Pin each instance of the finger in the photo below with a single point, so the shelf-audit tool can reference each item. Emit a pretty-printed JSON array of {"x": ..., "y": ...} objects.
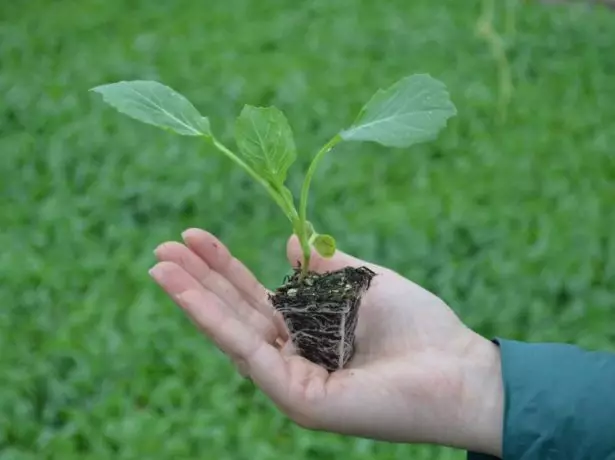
[
  {"x": 219, "y": 258},
  {"x": 288, "y": 349},
  {"x": 321, "y": 264},
  {"x": 220, "y": 286},
  {"x": 242, "y": 368},
  {"x": 261, "y": 361}
]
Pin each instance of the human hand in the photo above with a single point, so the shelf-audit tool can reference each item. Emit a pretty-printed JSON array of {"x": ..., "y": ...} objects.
[{"x": 418, "y": 374}]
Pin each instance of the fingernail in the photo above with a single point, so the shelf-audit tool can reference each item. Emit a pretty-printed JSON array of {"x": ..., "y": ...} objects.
[
  {"x": 159, "y": 249},
  {"x": 186, "y": 232},
  {"x": 155, "y": 272}
]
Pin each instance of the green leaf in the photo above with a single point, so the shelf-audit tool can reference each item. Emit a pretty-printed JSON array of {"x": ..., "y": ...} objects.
[
  {"x": 325, "y": 245},
  {"x": 411, "y": 111},
  {"x": 156, "y": 104},
  {"x": 266, "y": 141}
]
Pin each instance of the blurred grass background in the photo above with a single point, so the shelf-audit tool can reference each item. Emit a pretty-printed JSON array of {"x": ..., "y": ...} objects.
[{"x": 508, "y": 215}]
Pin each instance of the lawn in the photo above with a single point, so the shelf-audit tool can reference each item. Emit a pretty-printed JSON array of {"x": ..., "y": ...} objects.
[{"x": 508, "y": 216}]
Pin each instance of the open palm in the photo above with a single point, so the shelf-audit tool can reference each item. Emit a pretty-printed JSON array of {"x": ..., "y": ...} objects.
[{"x": 405, "y": 377}]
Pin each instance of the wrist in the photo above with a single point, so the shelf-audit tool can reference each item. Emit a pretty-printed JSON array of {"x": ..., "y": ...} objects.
[
  {"x": 481, "y": 398},
  {"x": 463, "y": 405}
]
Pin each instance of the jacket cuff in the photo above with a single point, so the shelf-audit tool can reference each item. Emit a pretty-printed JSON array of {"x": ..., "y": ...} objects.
[{"x": 559, "y": 400}]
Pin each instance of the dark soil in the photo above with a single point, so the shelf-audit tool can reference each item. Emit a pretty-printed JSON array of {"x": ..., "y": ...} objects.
[{"x": 321, "y": 313}]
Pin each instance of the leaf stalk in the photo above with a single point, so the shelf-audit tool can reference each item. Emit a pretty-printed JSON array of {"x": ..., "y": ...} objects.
[
  {"x": 278, "y": 197},
  {"x": 303, "y": 203}
]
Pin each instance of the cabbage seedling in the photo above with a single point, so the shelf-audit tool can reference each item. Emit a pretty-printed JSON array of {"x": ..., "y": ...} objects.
[{"x": 320, "y": 310}]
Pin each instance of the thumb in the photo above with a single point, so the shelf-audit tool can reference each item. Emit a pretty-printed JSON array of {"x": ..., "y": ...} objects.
[{"x": 322, "y": 264}]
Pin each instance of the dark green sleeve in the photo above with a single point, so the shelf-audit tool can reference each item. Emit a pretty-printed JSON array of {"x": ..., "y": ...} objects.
[{"x": 559, "y": 403}]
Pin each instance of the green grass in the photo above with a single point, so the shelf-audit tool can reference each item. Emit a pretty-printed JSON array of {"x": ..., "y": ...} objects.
[{"x": 510, "y": 221}]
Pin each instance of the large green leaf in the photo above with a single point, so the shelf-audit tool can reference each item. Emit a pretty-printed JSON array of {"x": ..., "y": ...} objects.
[
  {"x": 266, "y": 142},
  {"x": 156, "y": 104},
  {"x": 411, "y": 111}
]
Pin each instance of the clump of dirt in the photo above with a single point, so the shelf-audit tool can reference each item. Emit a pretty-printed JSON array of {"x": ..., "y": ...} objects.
[{"x": 321, "y": 313}]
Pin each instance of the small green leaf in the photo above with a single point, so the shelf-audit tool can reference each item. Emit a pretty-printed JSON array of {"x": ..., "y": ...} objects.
[
  {"x": 156, "y": 104},
  {"x": 411, "y": 111},
  {"x": 266, "y": 141},
  {"x": 325, "y": 245}
]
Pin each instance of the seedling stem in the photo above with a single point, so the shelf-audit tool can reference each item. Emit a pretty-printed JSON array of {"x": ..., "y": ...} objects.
[{"x": 411, "y": 111}]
